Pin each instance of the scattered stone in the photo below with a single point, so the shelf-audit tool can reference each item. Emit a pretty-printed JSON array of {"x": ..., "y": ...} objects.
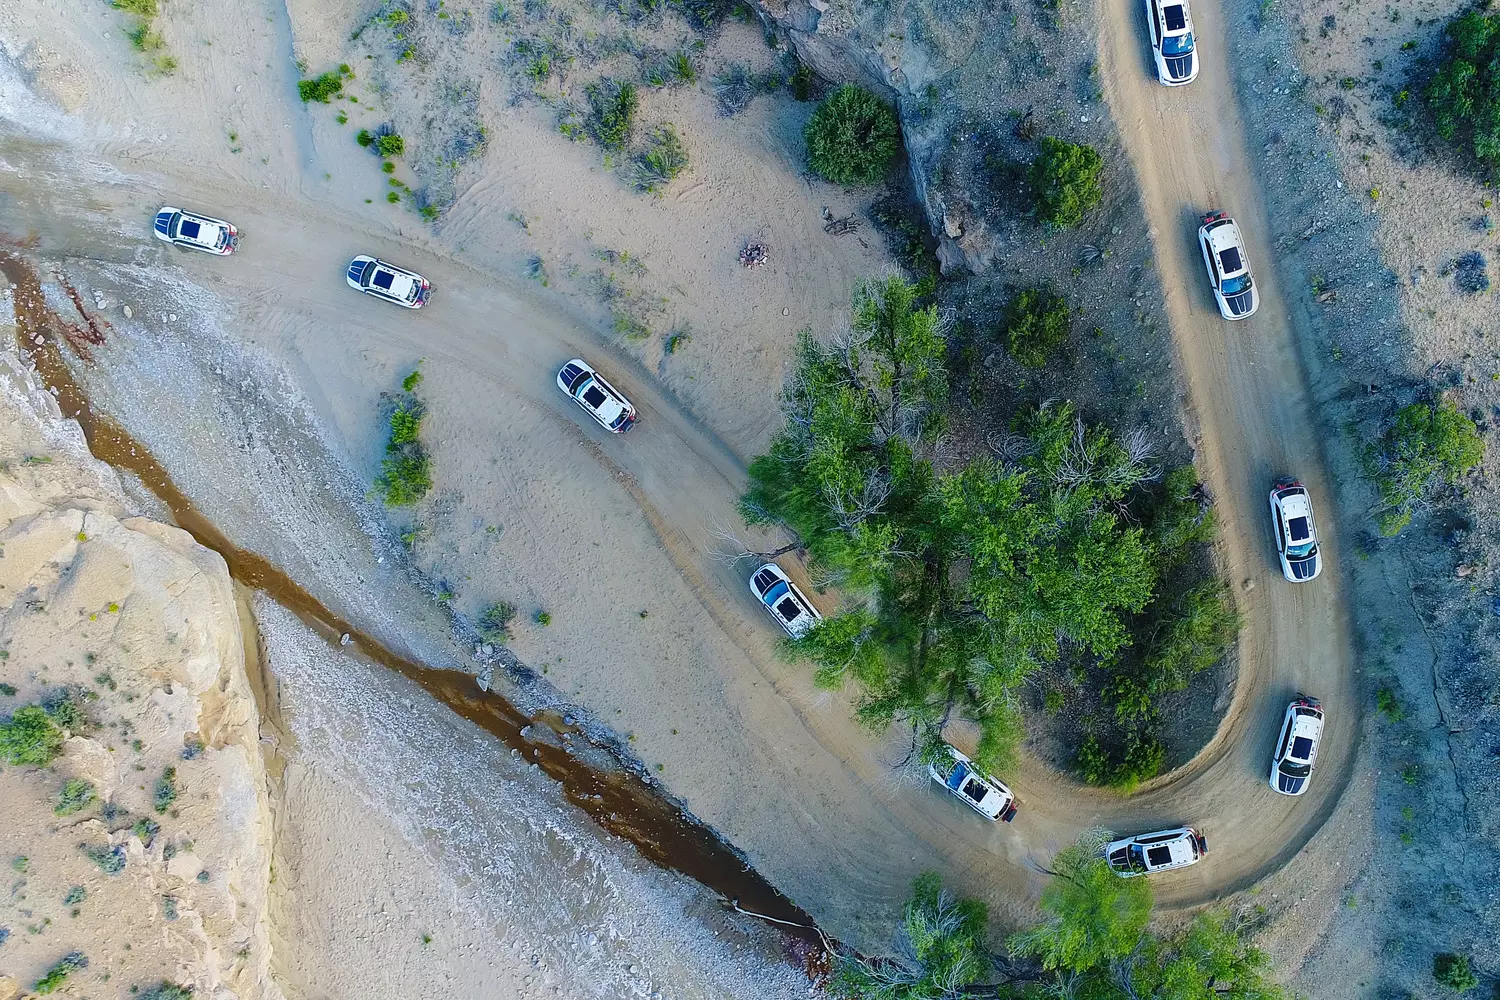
[
  {"x": 1249, "y": 584},
  {"x": 1464, "y": 571},
  {"x": 128, "y": 313},
  {"x": 755, "y": 255}
]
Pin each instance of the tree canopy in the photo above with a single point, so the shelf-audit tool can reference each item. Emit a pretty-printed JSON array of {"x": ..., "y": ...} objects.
[
  {"x": 1464, "y": 93},
  {"x": 852, "y": 137},
  {"x": 960, "y": 582},
  {"x": 1427, "y": 447}
]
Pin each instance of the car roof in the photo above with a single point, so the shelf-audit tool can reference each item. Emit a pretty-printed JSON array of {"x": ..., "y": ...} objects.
[
  {"x": 1295, "y": 504},
  {"x": 392, "y": 280},
  {"x": 1223, "y": 235},
  {"x": 1175, "y": 16}
]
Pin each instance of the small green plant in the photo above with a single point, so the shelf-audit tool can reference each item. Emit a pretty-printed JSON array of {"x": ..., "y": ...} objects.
[
  {"x": 76, "y": 895},
  {"x": 1389, "y": 705},
  {"x": 1037, "y": 321},
  {"x": 76, "y": 795},
  {"x": 1374, "y": 194},
  {"x": 801, "y": 82},
  {"x": 390, "y": 144},
  {"x": 7, "y": 690},
  {"x": 1453, "y": 971},
  {"x": 394, "y": 197},
  {"x": 59, "y": 973},
  {"x": 612, "y": 107},
  {"x": 676, "y": 340},
  {"x": 30, "y": 737},
  {"x": 365, "y": 137},
  {"x": 410, "y": 383},
  {"x": 145, "y": 831},
  {"x": 852, "y": 137},
  {"x": 164, "y": 793},
  {"x": 494, "y": 621},
  {"x": 1411, "y": 774},
  {"x": 543, "y": 619},
  {"x": 323, "y": 88},
  {"x": 1348, "y": 83},
  {"x": 145, "y": 38},
  {"x": 406, "y": 471},
  {"x": 165, "y": 990},
  {"x": 1066, "y": 182},
  {"x": 627, "y": 326},
  {"x": 111, "y": 860},
  {"x": 140, "y": 8},
  {"x": 19, "y": 864},
  {"x": 388, "y": 167},
  {"x": 663, "y": 159}
]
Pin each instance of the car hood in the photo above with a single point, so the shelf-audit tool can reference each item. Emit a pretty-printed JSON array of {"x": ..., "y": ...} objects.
[
  {"x": 1303, "y": 569},
  {"x": 1289, "y": 784}
]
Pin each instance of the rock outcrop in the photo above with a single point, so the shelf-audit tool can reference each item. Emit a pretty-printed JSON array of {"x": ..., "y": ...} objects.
[{"x": 143, "y": 846}]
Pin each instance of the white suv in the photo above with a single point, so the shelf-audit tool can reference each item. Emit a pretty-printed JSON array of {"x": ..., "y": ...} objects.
[
  {"x": 780, "y": 596},
  {"x": 1297, "y": 747},
  {"x": 1172, "y": 44},
  {"x": 985, "y": 795},
  {"x": 603, "y": 401},
  {"x": 374, "y": 276},
  {"x": 1228, "y": 267},
  {"x": 196, "y": 232},
  {"x": 1147, "y": 853},
  {"x": 1296, "y": 532}
]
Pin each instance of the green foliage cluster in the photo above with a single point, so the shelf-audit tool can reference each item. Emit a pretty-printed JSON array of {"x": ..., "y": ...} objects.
[
  {"x": 30, "y": 737},
  {"x": 1094, "y": 942},
  {"x": 1066, "y": 182},
  {"x": 76, "y": 796},
  {"x": 406, "y": 471},
  {"x": 1185, "y": 643},
  {"x": 167, "y": 991},
  {"x": 140, "y": 8},
  {"x": 323, "y": 88},
  {"x": 852, "y": 137},
  {"x": 1428, "y": 447},
  {"x": 1037, "y": 321},
  {"x": 54, "y": 978},
  {"x": 661, "y": 161},
  {"x": 963, "y": 582},
  {"x": 1464, "y": 94},
  {"x": 612, "y": 107},
  {"x": 494, "y": 621},
  {"x": 390, "y": 144},
  {"x": 111, "y": 860},
  {"x": 164, "y": 792},
  {"x": 1454, "y": 972}
]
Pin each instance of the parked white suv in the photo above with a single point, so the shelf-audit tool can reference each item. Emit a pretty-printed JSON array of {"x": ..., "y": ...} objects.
[
  {"x": 1172, "y": 44},
  {"x": 1297, "y": 747},
  {"x": 1228, "y": 267},
  {"x": 780, "y": 596},
  {"x": 1148, "y": 853},
  {"x": 985, "y": 795},
  {"x": 196, "y": 232}
]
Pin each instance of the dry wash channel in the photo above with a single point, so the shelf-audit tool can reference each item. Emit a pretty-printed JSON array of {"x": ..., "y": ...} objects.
[{"x": 619, "y": 801}]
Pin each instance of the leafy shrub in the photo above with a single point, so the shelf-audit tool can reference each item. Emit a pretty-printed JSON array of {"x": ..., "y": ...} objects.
[
  {"x": 1428, "y": 447},
  {"x": 30, "y": 737},
  {"x": 365, "y": 138},
  {"x": 390, "y": 144},
  {"x": 140, "y": 8},
  {"x": 411, "y": 381},
  {"x": 1464, "y": 94},
  {"x": 406, "y": 471},
  {"x": 612, "y": 107},
  {"x": 943, "y": 939},
  {"x": 165, "y": 990},
  {"x": 76, "y": 795},
  {"x": 494, "y": 621},
  {"x": 1195, "y": 637},
  {"x": 322, "y": 88},
  {"x": 661, "y": 161},
  {"x": 1454, "y": 972},
  {"x": 59, "y": 973},
  {"x": 111, "y": 860},
  {"x": 164, "y": 793},
  {"x": 1037, "y": 321},
  {"x": 852, "y": 137},
  {"x": 1185, "y": 517},
  {"x": 1065, "y": 179}
]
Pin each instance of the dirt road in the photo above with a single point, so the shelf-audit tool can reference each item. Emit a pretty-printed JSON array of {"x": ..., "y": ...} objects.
[{"x": 779, "y": 767}]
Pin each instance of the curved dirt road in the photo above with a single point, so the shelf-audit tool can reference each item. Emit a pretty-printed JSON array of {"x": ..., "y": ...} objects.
[{"x": 796, "y": 784}]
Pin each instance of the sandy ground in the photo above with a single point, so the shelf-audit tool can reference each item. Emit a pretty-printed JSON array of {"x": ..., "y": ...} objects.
[{"x": 596, "y": 530}]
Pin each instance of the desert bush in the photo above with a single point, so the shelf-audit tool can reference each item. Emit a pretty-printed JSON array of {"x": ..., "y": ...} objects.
[
  {"x": 75, "y": 895},
  {"x": 111, "y": 860},
  {"x": 1185, "y": 517},
  {"x": 30, "y": 737},
  {"x": 941, "y": 941},
  {"x": 390, "y": 144},
  {"x": 76, "y": 795},
  {"x": 140, "y": 8},
  {"x": 1454, "y": 971},
  {"x": 164, "y": 792},
  {"x": 1037, "y": 321},
  {"x": 166, "y": 991},
  {"x": 661, "y": 161},
  {"x": 852, "y": 137},
  {"x": 1464, "y": 93},
  {"x": 322, "y": 88},
  {"x": 1194, "y": 637},
  {"x": 1388, "y": 704},
  {"x": 494, "y": 621},
  {"x": 612, "y": 107},
  {"x": 1066, "y": 182},
  {"x": 1427, "y": 448},
  {"x": 54, "y": 978},
  {"x": 406, "y": 470},
  {"x": 146, "y": 831}
]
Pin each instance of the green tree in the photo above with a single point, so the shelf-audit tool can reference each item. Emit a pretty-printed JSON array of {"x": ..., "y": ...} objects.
[
  {"x": 1453, "y": 971},
  {"x": 1037, "y": 321},
  {"x": 30, "y": 737},
  {"x": 1428, "y": 447},
  {"x": 1065, "y": 178},
  {"x": 1464, "y": 94},
  {"x": 1093, "y": 917},
  {"x": 939, "y": 951},
  {"x": 852, "y": 137}
]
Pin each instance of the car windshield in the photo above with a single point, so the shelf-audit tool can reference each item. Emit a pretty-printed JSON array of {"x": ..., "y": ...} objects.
[
  {"x": 1179, "y": 45},
  {"x": 1301, "y": 551},
  {"x": 1234, "y": 286}
]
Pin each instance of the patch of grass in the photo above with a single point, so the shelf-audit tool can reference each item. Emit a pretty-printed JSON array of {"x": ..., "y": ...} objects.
[
  {"x": 494, "y": 621},
  {"x": 390, "y": 144},
  {"x": 629, "y": 327},
  {"x": 663, "y": 159},
  {"x": 165, "y": 990},
  {"x": 675, "y": 341},
  {"x": 111, "y": 860},
  {"x": 1388, "y": 704},
  {"x": 394, "y": 197},
  {"x": 164, "y": 792},
  {"x": 145, "y": 38},
  {"x": 612, "y": 108},
  {"x": 410, "y": 383},
  {"x": 76, "y": 796},
  {"x": 30, "y": 737},
  {"x": 1066, "y": 180},
  {"x": 543, "y": 619},
  {"x": 54, "y": 978},
  {"x": 406, "y": 471},
  {"x": 1037, "y": 321},
  {"x": 1453, "y": 971},
  {"x": 140, "y": 8},
  {"x": 852, "y": 137}
]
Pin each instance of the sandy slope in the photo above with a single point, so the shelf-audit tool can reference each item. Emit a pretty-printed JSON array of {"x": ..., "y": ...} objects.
[{"x": 779, "y": 767}]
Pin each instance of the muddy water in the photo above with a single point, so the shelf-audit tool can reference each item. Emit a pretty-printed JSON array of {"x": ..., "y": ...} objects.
[{"x": 619, "y": 801}]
